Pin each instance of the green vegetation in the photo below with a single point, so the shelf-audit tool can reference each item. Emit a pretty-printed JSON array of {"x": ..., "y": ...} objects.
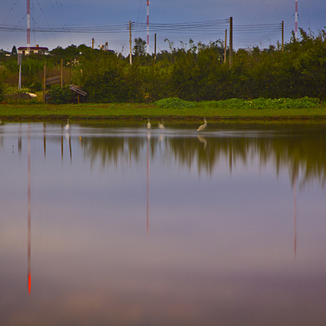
[
  {"x": 171, "y": 110},
  {"x": 261, "y": 103},
  {"x": 1, "y": 92},
  {"x": 58, "y": 95},
  {"x": 193, "y": 72},
  {"x": 174, "y": 103}
]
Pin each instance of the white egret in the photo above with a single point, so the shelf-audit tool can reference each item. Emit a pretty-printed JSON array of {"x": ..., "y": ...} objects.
[
  {"x": 161, "y": 125},
  {"x": 67, "y": 127},
  {"x": 148, "y": 125},
  {"x": 203, "y": 126}
]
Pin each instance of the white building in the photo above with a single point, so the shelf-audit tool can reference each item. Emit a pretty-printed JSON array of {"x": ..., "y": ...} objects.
[{"x": 24, "y": 50}]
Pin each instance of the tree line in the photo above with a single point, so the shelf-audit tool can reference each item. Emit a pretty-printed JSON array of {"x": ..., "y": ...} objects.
[{"x": 192, "y": 72}]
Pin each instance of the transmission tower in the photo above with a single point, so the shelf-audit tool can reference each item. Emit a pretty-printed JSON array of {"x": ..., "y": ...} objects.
[
  {"x": 147, "y": 26},
  {"x": 28, "y": 24},
  {"x": 296, "y": 20}
]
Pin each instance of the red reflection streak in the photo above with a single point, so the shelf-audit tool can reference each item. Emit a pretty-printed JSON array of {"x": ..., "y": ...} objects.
[
  {"x": 29, "y": 210},
  {"x": 29, "y": 283}
]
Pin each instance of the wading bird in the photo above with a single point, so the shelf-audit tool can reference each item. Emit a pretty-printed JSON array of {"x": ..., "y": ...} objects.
[
  {"x": 203, "y": 126},
  {"x": 160, "y": 125},
  {"x": 67, "y": 127},
  {"x": 148, "y": 125}
]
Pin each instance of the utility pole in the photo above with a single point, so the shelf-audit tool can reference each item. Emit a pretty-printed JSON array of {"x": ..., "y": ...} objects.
[
  {"x": 44, "y": 85},
  {"x": 28, "y": 26},
  {"x": 226, "y": 40},
  {"x": 130, "y": 42},
  {"x": 155, "y": 46},
  {"x": 70, "y": 72},
  {"x": 19, "y": 61},
  {"x": 93, "y": 43},
  {"x": 61, "y": 75},
  {"x": 282, "y": 35},
  {"x": 231, "y": 42}
]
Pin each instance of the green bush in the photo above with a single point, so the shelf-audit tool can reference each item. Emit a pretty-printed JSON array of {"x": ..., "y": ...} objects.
[
  {"x": 58, "y": 95},
  {"x": 264, "y": 103},
  {"x": 173, "y": 103},
  {"x": 36, "y": 87},
  {"x": 1, "y": 92}
]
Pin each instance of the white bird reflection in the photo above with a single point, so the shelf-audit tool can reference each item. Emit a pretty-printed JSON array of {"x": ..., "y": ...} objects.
[
  {"x": 161, "y": 137},
  {"x": 68, "y": 138},
  {"x": 202, "y": 140}
]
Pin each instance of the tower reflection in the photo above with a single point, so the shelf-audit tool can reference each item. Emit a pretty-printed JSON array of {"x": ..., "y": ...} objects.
[
  {"x": 29, "y": 277},
  {"x": 295, "y": 215},
  {"x": 44, "y": 139},
  {"x": 147, "y": 209}
]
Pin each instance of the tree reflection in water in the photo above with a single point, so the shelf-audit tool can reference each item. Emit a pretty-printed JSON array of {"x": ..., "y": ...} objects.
[{"x": 298, "y": 148}]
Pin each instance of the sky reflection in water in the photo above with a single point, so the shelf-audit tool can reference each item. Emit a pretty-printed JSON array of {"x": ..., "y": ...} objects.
[{"x": 163, "y": 227}]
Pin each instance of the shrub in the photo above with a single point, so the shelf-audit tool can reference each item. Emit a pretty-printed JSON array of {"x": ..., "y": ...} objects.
[
  {"x": 173, "y": 103},
  {"x": 58, "y": 95},
  {"x": 1, "y": 92}
]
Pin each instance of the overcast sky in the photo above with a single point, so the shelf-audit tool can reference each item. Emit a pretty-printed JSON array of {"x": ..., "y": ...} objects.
[{"x": 67, "y": 13}]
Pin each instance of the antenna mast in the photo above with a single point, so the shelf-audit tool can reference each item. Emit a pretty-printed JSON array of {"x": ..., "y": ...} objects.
[
  {"x": 28, "y": 24},
  {"x": 296, "y": 20},
  {"x": 147, "y": 26}
]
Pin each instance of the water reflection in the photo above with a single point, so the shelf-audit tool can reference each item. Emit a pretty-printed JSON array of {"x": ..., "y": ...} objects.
[
  {"x": 295, "y": 216},
  {"x": 29, "y": 201},
  {"x": 147, "y": 206},
  {"x": 294, "y": 149},
  {"x": 221, "y": 225}
]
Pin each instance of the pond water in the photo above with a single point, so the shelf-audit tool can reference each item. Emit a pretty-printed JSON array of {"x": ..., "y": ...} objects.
[{"x": 114, "y": 224}]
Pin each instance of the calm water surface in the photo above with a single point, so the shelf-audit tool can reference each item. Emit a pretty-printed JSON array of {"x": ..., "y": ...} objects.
[{"x": 112, "y": 224}]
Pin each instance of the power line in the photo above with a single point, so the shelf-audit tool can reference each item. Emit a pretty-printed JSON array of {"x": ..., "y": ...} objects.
[
  {"x": 12, "y": 8},
  {"x": 259, "y": 32}
]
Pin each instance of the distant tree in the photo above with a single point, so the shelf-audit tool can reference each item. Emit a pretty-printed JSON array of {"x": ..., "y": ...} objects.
[
  {"x": 84, "y": 49},
  {"x": 14, "y": 50},
  {"x": 139, "y": 48},
  {"x": 70, "y": 52}
]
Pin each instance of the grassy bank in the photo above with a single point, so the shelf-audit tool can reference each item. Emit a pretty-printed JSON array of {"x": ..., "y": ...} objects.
[{"x": 211, "y": 110}]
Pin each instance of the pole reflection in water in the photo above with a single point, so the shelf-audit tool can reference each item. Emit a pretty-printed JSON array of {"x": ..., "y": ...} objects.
[
  {"x": 295, "y": 215},
  {"x": 29, "y": 195},
  {"x": 67, "y": 134},
  {"x": 62, "y": 143},
  {"x": 44, "y": 139},
  {"x": 147, "y": 179},
  {"x": 20, "y": 139}
]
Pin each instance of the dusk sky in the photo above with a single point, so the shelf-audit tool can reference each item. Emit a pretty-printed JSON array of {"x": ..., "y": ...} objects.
[{"x": 68, "y": 14}]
